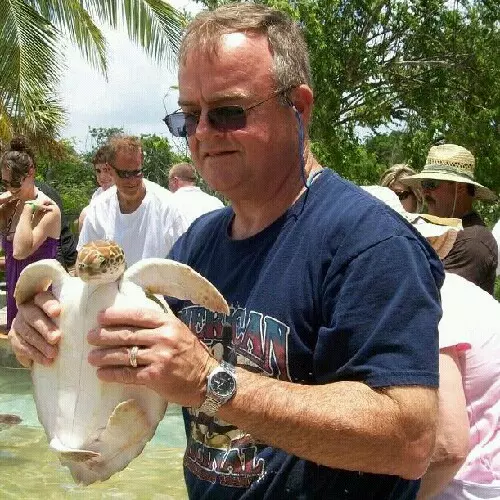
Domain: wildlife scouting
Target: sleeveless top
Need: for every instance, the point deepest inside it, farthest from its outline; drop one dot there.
(13, 268)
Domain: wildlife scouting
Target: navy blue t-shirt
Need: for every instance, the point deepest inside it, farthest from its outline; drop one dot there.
(338, 288)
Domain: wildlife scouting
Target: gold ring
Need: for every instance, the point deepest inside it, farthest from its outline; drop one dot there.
(132, 356)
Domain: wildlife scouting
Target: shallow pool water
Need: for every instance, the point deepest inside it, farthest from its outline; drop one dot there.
(29, 470)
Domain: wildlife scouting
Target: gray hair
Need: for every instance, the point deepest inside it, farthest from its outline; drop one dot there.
(286, 42)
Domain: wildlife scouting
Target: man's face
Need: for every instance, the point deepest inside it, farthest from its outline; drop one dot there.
(440, 200)
(104, 175)
(255, 159)
(127, 161)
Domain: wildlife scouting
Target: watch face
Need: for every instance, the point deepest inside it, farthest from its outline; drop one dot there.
(223, 384)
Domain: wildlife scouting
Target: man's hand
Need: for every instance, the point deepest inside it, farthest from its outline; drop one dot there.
(171, 360)
(33, 336)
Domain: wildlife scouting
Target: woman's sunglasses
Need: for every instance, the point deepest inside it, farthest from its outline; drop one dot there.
(402, 195)
(222, 118)
(430, 184)
(127, 174)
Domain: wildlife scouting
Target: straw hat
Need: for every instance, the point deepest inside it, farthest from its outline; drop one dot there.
(440, 232)
(449, 162)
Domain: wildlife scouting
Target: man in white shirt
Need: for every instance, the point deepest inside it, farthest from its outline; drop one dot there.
(190, 198)
(139, 215)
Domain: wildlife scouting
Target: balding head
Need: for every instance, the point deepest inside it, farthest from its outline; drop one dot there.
(180, 175)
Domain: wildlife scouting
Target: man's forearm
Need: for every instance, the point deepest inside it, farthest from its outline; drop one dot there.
(344, 425)
(437, 476)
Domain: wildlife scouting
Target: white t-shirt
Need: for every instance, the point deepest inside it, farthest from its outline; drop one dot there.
(496, 234)
(150, 231)
(193, 202)
(471, 321)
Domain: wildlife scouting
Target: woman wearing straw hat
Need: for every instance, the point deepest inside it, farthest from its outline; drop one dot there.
(449, 188)
(466, 461)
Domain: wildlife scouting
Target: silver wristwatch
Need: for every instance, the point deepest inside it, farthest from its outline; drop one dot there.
(221, 387)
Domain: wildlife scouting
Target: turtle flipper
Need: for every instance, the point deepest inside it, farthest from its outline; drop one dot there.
(37, 277)
(124, 437)
(167, 277)
(71, 454)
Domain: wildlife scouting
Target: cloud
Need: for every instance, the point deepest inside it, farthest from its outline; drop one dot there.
(131, 98)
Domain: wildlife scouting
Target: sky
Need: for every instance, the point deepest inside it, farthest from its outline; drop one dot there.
(132, 96)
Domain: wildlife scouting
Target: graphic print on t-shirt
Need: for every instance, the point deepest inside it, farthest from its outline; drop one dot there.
(216, 450)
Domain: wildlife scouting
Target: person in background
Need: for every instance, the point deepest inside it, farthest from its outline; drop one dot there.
(410, 197)
(104, 178)
(466, 460)
(447, 181)
(139, 215)
(315, 384)
(30, 222)
(190, 198)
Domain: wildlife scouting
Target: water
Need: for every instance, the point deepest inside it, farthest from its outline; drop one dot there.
(29, 470)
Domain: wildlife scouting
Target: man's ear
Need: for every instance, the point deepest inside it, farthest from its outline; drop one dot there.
(302, 99)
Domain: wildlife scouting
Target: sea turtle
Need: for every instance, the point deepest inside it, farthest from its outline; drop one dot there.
(97, 428)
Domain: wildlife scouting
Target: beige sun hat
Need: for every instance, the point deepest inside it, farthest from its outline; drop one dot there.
(449, 162)
(440, 232)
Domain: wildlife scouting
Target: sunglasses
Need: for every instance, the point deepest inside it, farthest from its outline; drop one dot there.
(430, 184)
(402, 195)
(222, 118)
(127, 174)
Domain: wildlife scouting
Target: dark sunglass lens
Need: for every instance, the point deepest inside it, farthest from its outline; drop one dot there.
(430, 184)
(227, 118)
(176, 123)
(129, 174)
(402, 195)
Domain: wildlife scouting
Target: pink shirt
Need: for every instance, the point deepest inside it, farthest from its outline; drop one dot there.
(471, 321)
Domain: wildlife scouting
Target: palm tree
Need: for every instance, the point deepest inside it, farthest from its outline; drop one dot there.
(32, 56)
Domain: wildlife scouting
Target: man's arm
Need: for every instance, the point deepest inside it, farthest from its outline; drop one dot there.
(452, 441)
(343, 425)
(346, 425)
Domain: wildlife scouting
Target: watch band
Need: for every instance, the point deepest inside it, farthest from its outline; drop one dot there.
(211, 403)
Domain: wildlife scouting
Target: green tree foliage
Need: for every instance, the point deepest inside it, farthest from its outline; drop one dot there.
(31, 57)
(70, 174)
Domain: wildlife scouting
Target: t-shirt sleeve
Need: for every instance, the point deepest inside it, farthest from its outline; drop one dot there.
(383, 312)
(460, 300)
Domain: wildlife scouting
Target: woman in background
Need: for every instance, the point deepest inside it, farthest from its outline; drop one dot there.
(411, 198)
(30, 221)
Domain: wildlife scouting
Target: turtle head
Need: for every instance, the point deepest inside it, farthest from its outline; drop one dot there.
(101, 261)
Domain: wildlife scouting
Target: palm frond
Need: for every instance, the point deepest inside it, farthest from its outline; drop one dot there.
(30, 68)
(156, 26)
(73, 19)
